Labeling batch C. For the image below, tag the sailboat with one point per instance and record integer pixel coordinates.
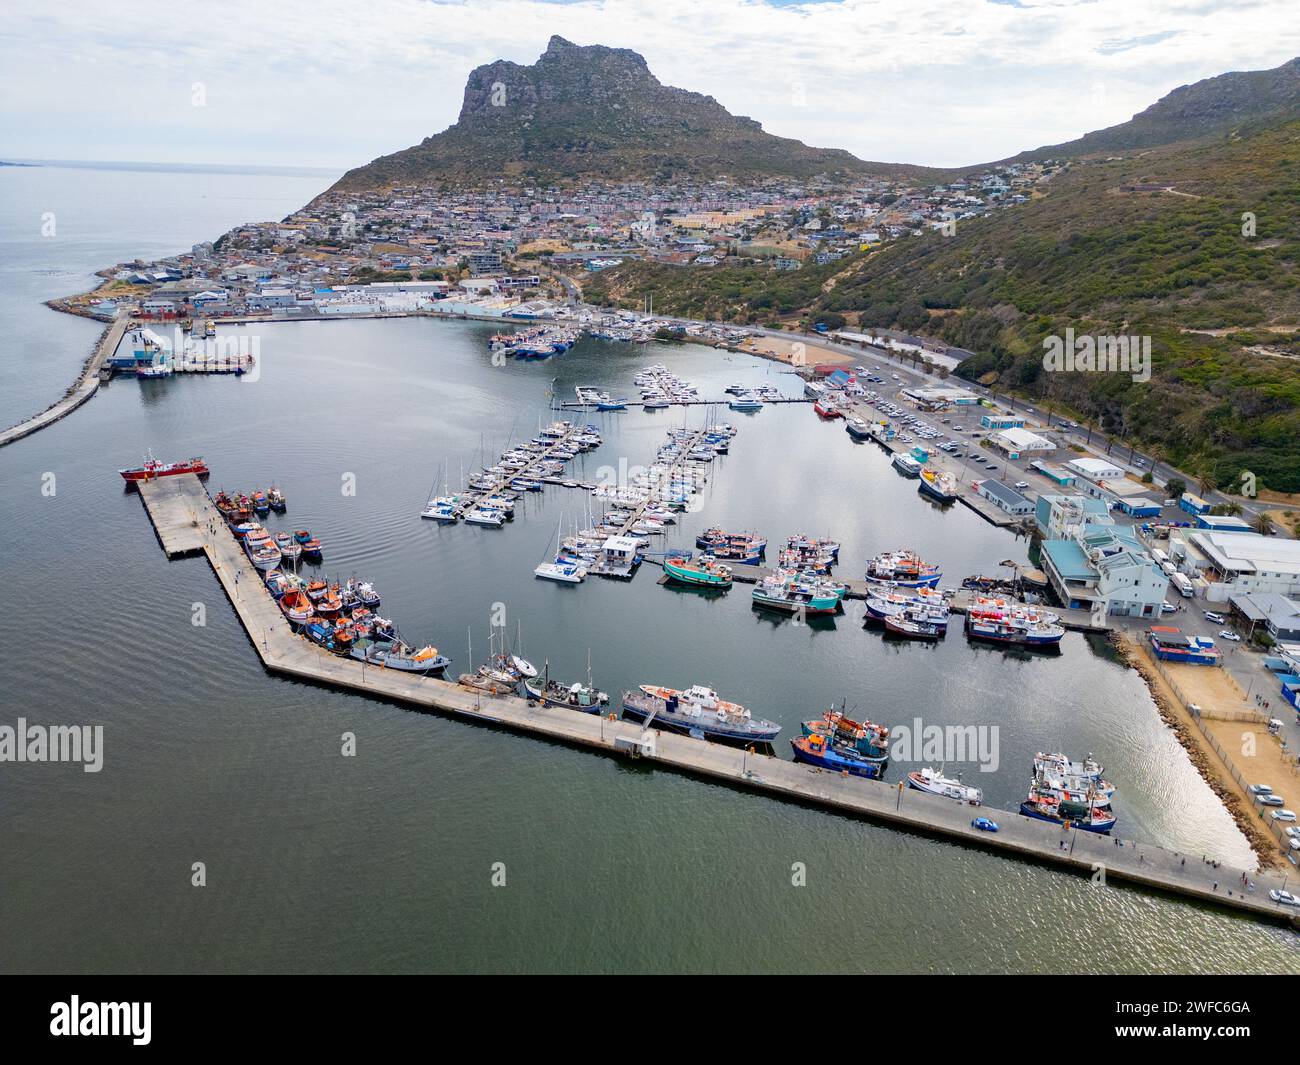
(444, 509)
(561, 570)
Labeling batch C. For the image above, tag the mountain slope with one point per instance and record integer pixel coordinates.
(1147, 245)
(597, 112)
(1212, 106)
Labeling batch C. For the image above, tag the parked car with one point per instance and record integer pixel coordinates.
(1168, 608)
(1270, 800)
(984, 824)
(1260, 789)
(1218, 619)
(1283, 816)
(1284, 897)
(1022, 484)
(1229, 635)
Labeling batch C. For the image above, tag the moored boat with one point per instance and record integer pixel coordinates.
(906, 465)
(933, 782)
(937, 485)
(815, 751)
(707, 572)
(151, 469)
(997, 626)
(787, 591)
(904, 569)
(696, 711)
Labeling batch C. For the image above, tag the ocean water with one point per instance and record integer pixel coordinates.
(385, 861)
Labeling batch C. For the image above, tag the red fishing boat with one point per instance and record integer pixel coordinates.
(152, 468)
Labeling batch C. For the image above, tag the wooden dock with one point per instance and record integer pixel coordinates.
(186, 521)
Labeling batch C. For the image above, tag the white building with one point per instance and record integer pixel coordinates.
(1105, 568)
(1095, 469)
(1017, 442)
(1236, 563)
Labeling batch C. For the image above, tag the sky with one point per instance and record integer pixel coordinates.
(326, 84)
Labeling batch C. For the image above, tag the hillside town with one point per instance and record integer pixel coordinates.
(488, 250)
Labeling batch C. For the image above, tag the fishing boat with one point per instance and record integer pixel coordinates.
(1044, 804)
(815, 751)
(329, 605)
(904, 569)
(937, 485)
(581, 697)
(265, 555)
(705, 573)
(261, 505)
(297, 607)
(784, 591)
(930, 603)
(278, 584)
(406, 659)
(933, 782)
(996, 626)
(365, 592)
(913, 625)
(906, 465)
(864, 738)
(697, 711)
(151, 469)
(276, 499)
(290, 549)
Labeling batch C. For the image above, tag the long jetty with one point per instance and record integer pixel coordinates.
(959, 603)
(475, 496)
(188, 523)
(86, 385)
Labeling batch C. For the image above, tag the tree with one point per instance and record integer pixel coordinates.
(1175, 487)
(1263, 524)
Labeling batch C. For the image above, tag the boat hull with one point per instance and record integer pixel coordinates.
(833, 760)
(1103, 827)
(700, 578)
(711, 730)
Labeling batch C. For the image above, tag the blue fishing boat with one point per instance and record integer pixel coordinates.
(814, 750)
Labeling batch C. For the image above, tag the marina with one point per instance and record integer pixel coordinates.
(187, 523)
(435, 580)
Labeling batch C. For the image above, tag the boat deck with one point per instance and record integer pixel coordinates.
(184, 515)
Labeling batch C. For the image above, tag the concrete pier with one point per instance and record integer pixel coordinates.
(86, 385)
(186, 521)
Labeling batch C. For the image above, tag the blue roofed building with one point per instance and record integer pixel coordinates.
(1105, 568)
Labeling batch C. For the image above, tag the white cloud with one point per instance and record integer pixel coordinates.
(298, 82)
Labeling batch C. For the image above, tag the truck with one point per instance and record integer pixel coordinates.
(1183, 584)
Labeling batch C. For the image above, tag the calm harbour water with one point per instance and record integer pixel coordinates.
(382, 862)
